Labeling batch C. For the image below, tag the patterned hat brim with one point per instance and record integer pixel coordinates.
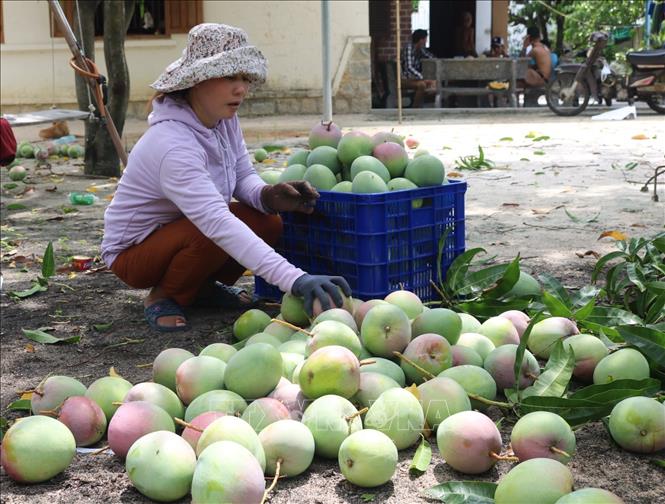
(247, 60)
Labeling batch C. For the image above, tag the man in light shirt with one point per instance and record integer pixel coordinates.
(412, 68)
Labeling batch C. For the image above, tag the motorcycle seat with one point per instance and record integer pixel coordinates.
(650, 57)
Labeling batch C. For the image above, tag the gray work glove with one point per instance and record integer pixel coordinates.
(321, 287)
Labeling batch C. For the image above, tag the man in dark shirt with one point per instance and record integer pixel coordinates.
(412, 77)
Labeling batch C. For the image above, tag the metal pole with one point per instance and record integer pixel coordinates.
(81, 62)
(399, 64)
(325, 48)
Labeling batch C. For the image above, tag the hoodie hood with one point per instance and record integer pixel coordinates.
(170, 109)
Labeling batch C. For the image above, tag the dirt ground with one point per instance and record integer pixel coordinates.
(549, 200)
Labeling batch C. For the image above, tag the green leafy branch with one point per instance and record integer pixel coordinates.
(474, 162)
(41, 283)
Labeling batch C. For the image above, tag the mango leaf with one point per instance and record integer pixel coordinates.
(34, 289)
(463, 492)
(554, 287)
(585, 311)
(492, 307)
(273, 147)
(554, 380)
(20, 405)
(478, 281)
(556, 307)
(48, 262)
(422, 457)
(540, 138)
(458, 268)
(507, 281)
(658, 462)
(610, 317)
(617, 389)
(102, 327)
(506, 139)
(584, 295)
(40, 336)
(16, 206)
(367, 497)
(519, 355)
(439, 258)
(636, 276)
(650, 342)
(4, 427)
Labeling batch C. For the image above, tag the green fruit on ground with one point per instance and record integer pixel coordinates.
(500, 363)
(541, 480)
(298, 157)
(331, 419)
(231, 428)
(519, 319)
(420, 152)
(542, 434)
(320, 177)
(75, 151)
(227, 472)
(292, 309)
(464, 355)
(367, 182)
(197, 376)
(106, 391)
(296, 346)
(222, 351)
(254, 371)
(467, 441)
(36, 448)
(290, 441)
(84, 418)
(264, 411)
(478, 342)
(526, 286)
(17, 173)
(441, 397)
(441, 321)
(398, 414)
(331, 369)
(279, 331)
(157, 394)
(53, 391)
(198, 424)
(409, 302)
(249, 323)
(331, 332)
(166, 364)
(263, 337)
(470, 324)
(546, 333)
(387, 136)
(590, 496)
(326, 156)
(338, 315)
(393, 156)
(133, 420)
(363, 308)
(324, 134)
(223, 401)
(270, 176)
(385, 329)
(428, 351)
(474, 380)
(372, 385)
(371, 164)
(353, 145)
(637, 424)
(368, 458)
(293, 172)
(345, 186)
(589, 351)
(26, 150)
(292, 397)
(260, 155)
(624, 364)
(161, 466)
(500, 331)
(385, 367)
(425, 171)
(290, 361)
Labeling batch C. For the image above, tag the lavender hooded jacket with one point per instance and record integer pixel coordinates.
(179, 168)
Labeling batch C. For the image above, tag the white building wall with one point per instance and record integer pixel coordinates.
(483, 25)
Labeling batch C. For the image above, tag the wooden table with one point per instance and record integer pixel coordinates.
(483, 70)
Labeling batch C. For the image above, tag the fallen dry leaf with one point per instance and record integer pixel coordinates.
(414, 390)
(640, 136)
(617, 235)
(26, 395)
(71, 275)
(638, 225)
(56, 218)
(454, 174)
(51, 189)
(510, 204)
(109, 197)
(113, 372)
(92, 189)
(588, 253)
(30, 348)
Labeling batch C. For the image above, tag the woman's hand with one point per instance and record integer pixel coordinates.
(294, 196)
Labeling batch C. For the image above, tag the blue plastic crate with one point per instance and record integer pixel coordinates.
(378, 242)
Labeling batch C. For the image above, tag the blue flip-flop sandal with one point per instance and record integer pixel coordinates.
(225, 296)
(165, 308)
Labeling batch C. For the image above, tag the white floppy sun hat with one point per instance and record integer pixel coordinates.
(213, 50)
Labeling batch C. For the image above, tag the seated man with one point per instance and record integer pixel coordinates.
(540, 66)
(412, 77)
(497, 49)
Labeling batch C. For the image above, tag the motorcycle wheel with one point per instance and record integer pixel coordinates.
(567, 105)
(656, 103)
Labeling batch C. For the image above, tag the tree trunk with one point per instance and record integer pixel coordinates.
(560, 22)
(101, 157)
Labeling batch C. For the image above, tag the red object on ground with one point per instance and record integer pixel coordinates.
(7, 143)
(81, 263)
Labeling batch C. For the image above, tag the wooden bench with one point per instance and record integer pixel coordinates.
(389, 71)
(480, 70)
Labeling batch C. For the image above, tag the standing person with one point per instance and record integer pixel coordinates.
(465, 37)
(412, 67)
(172, 226)
(540, 66)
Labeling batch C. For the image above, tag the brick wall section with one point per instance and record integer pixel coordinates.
(383, 25)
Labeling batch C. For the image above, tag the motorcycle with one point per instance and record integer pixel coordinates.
(573, 85)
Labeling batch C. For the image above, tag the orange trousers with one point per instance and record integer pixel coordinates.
(180, 259)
